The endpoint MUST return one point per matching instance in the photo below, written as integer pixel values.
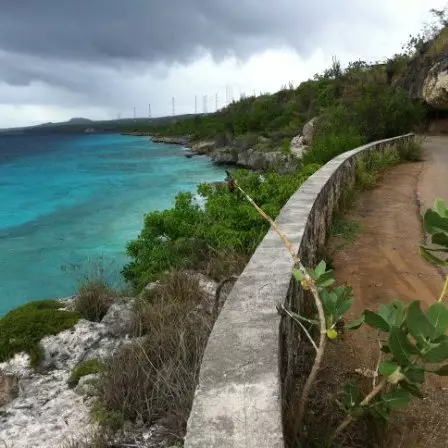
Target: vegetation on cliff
(22, 328)
(355, 105)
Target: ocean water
(69, 204)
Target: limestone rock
(204, 146)
(120, 317)
(435, 85)
(308, 131)
(183, 141)
(224, 155)
(298, 146)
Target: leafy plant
(413, 341)
(22, 328)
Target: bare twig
(297, 321)
(377, 364)
(299, 408)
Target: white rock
(308, 130)
(120, 317)
(45, 414)
(298, 146)
(18, 366)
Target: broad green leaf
(375, 321)
(328, 301)
(399, 345)
(387, 368)
(351, 395)
(400, 312)
(415, 375)
(298, 275)
(427, 255)
(434, 223)
(344, 300)
(355, 324)
(438, 353)
(343, 308)
(411, 388)
(393, 313)
(326, 279)
(440, 207)
(396, 399)
(311, 273)
(443, 371)
(440, 238)
(437, 314)
(418, 324)
(320, 269)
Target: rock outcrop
(41, 409)
(301, 142)
(183, 141)
(38, 408)
(426, 77)
(255, 160)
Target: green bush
(188, 234)
(22, 328)
(85, 368)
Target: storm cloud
(100, 50)
(105, 31)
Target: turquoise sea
(69, 204)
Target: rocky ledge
(183, 141)
(40, 408)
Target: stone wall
(250, 359)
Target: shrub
(156, 375)
(188, 234)
(22, 328)
(85, 368)
(411, 151)
(94, 299)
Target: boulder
(298, 146)
(204, 146)
(426, 76)
(435, 85)
(224, 155)
(120, 317)
(308, 131)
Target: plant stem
(297, 321)
(299, 409)
(444, 290)
(373, 393)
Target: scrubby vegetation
(94, 299)
(22, 328)
(189, 235)
(155, 377)
(85, 368)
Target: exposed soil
(381, 264)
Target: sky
(100, 59)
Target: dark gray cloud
(107, 31)
(107, 54)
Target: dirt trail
(381, 264)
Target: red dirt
(381, 264)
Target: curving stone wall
(250, 360)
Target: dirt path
(381, 264)
(433, 181)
